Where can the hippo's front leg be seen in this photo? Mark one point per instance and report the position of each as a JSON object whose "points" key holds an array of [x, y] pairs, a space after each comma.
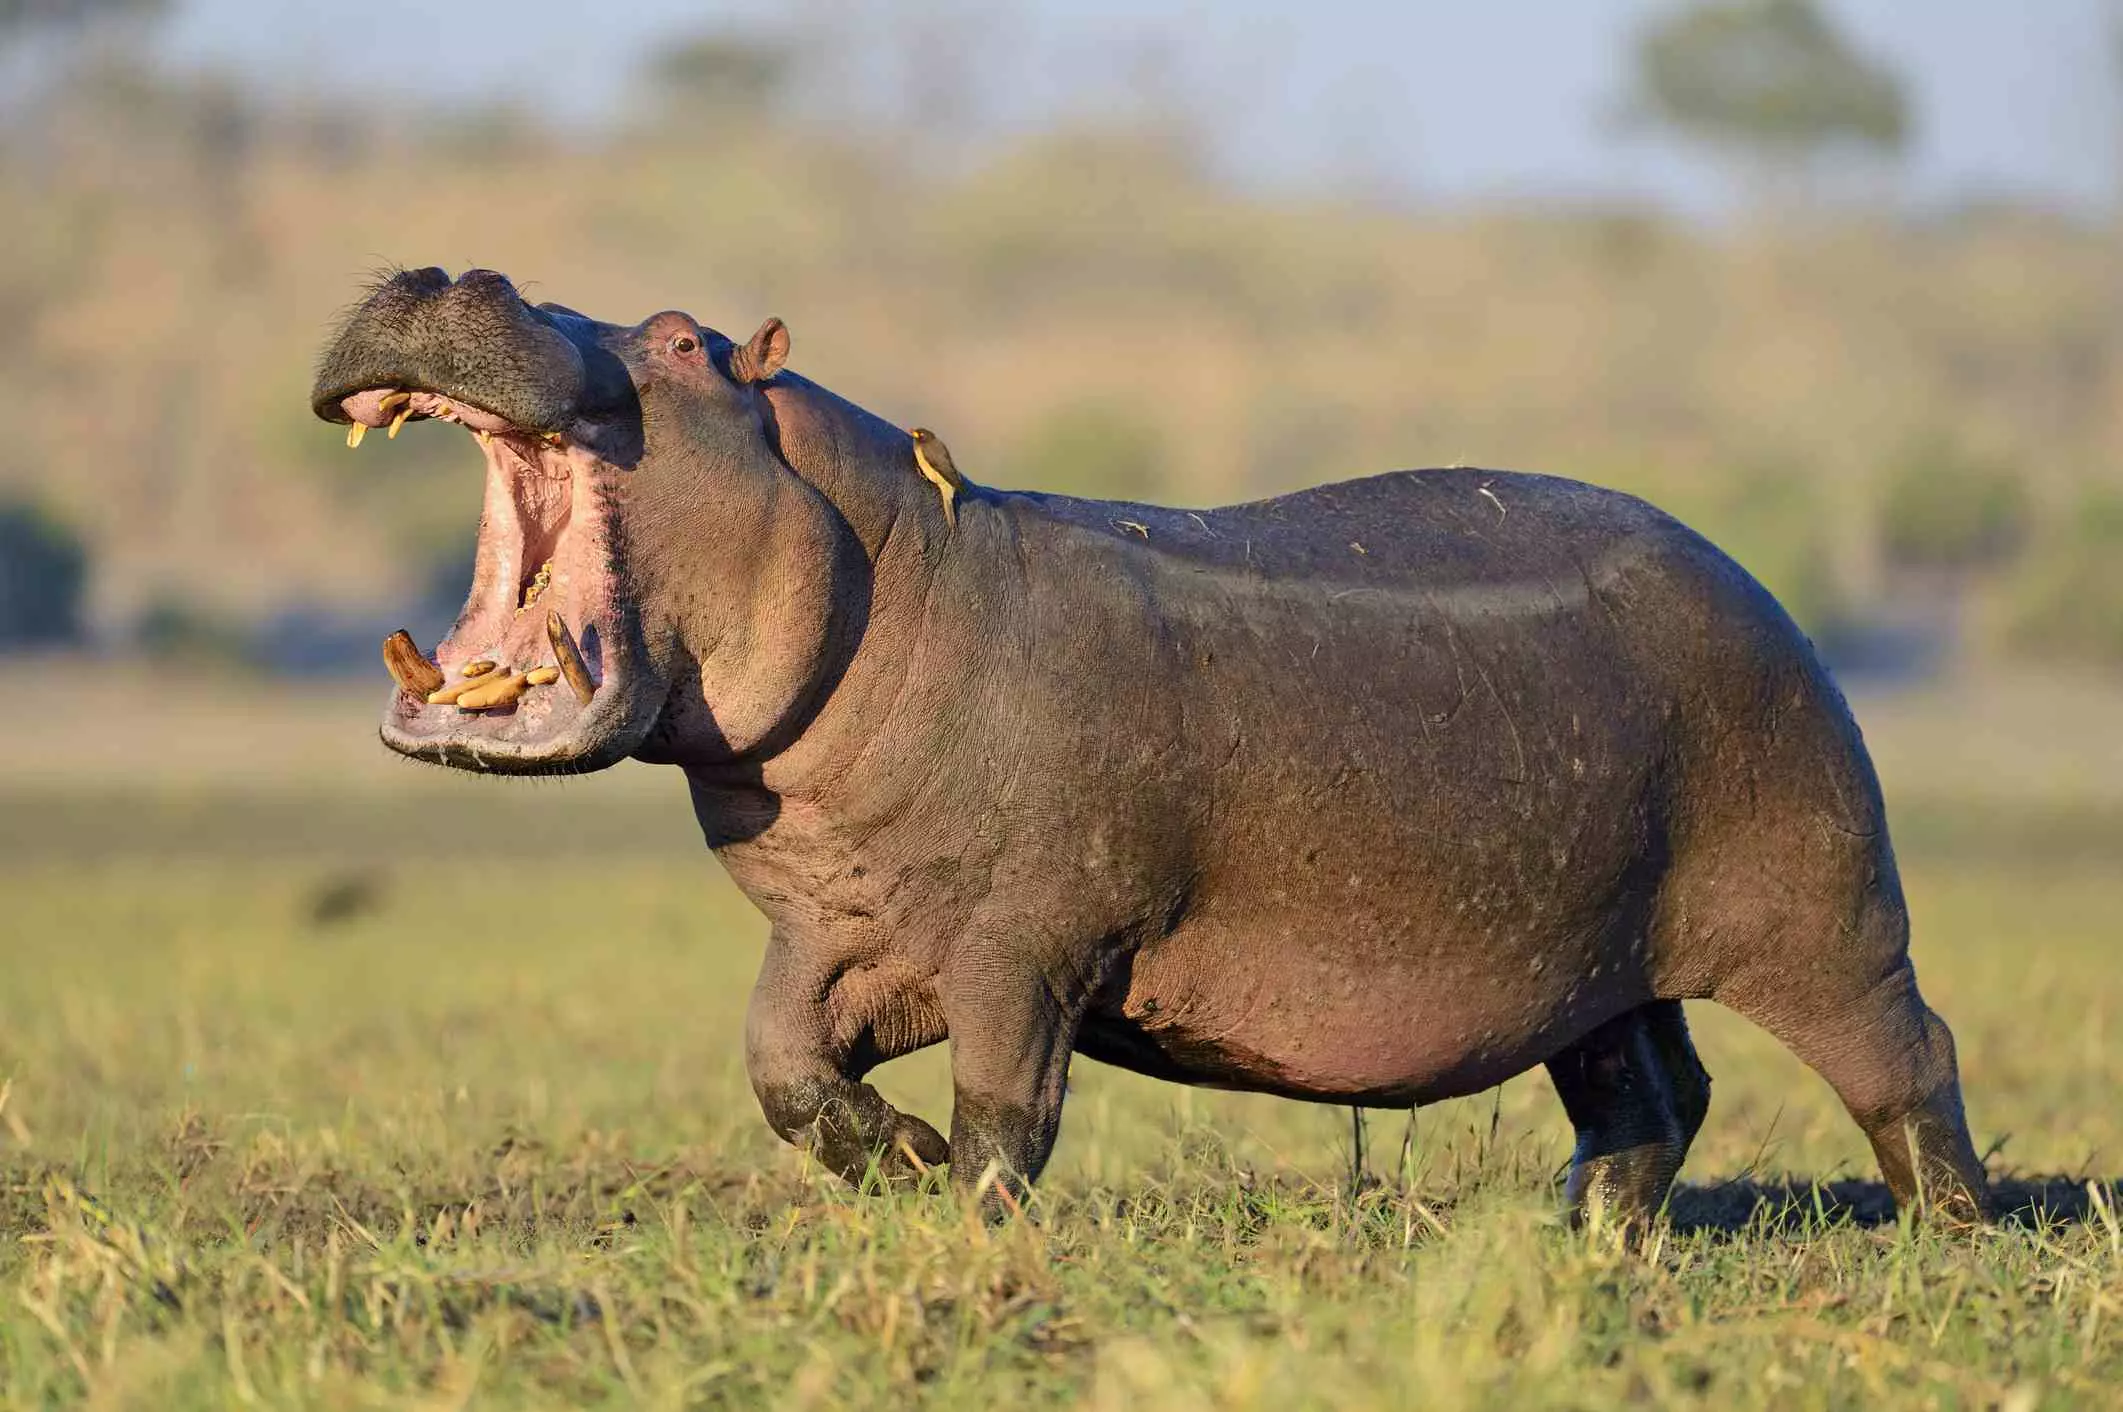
{"points": [[1012, 1033], [807, 1054]]}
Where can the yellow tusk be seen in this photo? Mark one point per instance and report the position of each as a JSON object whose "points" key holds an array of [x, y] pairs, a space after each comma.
{"points": [[354, 434], [397, 422], [571, 664], [390, 400], [542, 676], [408, 665], [486, 438], [477, 669], [487, 695]]}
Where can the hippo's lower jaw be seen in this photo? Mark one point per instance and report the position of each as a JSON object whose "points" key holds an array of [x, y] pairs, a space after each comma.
{"points": [[543, 672]]}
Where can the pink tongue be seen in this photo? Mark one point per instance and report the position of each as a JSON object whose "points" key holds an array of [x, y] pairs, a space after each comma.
{"points": [[367, 408]]}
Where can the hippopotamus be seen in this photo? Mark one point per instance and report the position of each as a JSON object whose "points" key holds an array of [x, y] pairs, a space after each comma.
{"points": [[1375, 794]]}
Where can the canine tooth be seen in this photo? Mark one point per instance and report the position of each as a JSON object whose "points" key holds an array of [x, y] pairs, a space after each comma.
{"points": [[390, 400], [477, 669], [489, 694], [571, 663], [409, 666], [354, 434], [397, 422], [542, 676], [485, 437]]}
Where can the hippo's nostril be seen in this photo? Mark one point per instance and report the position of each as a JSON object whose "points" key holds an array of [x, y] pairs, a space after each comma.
{"points": [[472, 281]]}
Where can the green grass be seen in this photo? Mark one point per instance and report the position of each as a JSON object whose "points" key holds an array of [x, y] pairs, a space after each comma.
{"points": [[386, 1123]]}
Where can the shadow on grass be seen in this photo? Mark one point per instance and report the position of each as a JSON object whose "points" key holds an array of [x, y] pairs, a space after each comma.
{"points": [[1793, 1206]]}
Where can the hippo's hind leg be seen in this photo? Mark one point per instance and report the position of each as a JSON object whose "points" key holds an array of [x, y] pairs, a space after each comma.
{"points": [[1891, 1060], [1636, 1093]]}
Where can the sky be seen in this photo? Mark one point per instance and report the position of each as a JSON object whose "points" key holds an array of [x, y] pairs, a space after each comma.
{"points": [[1438, 100]]}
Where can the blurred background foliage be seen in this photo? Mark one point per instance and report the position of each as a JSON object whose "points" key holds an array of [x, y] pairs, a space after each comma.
{"points": [[1902, 420], [2068, 603], [43, 572]]}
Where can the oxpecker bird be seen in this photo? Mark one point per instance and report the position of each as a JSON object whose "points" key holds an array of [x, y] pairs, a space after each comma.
{"points": [[934, 458]]}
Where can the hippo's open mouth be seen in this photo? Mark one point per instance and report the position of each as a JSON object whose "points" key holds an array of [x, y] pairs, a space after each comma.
{"points": [[544, 670], [529, 654]]}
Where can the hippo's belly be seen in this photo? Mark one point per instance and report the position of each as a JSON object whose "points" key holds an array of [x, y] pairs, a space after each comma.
{"points": [[1336, 1016]]}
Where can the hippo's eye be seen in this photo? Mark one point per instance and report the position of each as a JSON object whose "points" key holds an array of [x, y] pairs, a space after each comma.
{"points": [[684, 343]]}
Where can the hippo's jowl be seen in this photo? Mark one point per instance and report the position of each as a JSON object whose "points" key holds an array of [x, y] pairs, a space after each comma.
{"points": [[1377, 793]]}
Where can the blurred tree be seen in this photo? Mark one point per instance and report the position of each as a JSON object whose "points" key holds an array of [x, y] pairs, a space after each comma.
{"points": [[1766, 82], [43, 572], [2066, 603], [1946, 509], [172, 627], [18, 17], [929, 78], [724, 76]]}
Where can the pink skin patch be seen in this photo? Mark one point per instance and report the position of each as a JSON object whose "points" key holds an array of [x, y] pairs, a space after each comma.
{"points": [[545, 546]]}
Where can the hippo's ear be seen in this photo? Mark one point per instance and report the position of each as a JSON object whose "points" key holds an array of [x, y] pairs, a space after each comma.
{"points": [[763, 356]]}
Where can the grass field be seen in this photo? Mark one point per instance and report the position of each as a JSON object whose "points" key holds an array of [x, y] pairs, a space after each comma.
{"points": [[408, 1090]]}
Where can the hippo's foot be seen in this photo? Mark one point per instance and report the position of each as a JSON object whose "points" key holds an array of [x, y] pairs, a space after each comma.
{"points": [[1636, 1094], [1930, 1163], [855, 1133]]}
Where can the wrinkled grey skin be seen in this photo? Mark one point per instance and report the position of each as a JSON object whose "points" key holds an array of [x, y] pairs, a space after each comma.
{"points": [[1379, 793]]}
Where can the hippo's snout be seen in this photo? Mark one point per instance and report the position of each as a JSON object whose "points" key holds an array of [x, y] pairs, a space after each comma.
{"points": [[473, 340]]}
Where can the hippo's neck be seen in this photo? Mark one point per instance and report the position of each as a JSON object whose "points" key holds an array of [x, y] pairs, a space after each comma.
{"points": [[862, 468], [857, 460]]}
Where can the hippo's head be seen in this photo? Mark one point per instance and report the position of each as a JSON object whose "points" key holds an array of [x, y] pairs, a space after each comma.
{"points": [[638, 516]]}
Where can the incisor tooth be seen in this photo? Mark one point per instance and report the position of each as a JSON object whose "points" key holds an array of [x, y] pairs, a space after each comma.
{"points": [[477, 669], [408, 665], [397, 422], [455, 691], [390, 400], [488, 695], [571, 663], [542, 676], [354, 434]]}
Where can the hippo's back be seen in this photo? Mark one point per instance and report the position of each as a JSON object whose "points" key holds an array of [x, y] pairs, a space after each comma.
{"points": [[1452, 529]]}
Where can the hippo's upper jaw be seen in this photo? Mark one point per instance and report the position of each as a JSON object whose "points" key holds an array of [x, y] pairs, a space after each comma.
{"points": [[548, 397]]}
